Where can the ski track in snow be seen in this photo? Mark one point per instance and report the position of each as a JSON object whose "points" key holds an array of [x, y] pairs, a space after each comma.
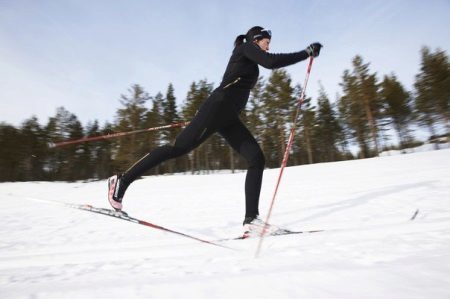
{"points": [[370, 249]]}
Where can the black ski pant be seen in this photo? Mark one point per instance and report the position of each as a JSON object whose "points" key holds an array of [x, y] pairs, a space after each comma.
{"points": [[217, 114]]}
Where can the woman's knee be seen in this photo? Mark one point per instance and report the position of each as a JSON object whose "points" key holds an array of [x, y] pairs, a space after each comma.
{"points": [[180, 148], [257, 160]]}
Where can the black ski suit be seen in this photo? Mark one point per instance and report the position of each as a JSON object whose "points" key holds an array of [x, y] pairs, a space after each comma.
{"points": [[220, 113]]}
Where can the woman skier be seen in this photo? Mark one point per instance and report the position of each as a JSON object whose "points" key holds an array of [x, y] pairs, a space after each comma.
{"points": [[220, 114]]}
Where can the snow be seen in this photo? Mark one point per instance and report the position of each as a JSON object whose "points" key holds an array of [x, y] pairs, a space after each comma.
{"points": [[370, 247]]}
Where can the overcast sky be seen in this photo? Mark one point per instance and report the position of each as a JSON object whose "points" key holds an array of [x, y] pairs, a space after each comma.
{"points": [[84, 54]]}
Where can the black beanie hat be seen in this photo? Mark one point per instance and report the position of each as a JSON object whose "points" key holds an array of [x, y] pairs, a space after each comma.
{"points": [[258, 33]]}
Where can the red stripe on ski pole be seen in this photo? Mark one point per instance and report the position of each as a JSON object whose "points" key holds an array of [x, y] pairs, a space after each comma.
{"points": [[119, 134], [286, 155]]}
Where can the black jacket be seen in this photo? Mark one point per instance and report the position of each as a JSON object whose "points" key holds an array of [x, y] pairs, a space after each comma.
{"points": [[242, 69]]}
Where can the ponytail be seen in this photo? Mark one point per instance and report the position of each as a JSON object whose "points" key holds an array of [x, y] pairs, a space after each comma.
{"points": [[239, 40]]}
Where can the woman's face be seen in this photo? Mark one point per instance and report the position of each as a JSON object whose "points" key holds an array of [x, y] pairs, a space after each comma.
{"points": [[263, 44]]}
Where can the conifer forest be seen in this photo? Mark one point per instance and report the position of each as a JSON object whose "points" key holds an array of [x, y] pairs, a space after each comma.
{"points": [[373, 112]]}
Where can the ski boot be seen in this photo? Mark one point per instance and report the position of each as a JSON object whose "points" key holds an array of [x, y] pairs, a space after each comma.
{"points": [[255, 227], [116, 190]]}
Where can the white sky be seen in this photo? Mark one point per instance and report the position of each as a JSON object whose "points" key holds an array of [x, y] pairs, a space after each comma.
{"points": [[84, 54]]}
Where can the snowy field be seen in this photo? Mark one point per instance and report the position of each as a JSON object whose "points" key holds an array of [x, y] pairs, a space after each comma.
{"points": [[370, 247]]}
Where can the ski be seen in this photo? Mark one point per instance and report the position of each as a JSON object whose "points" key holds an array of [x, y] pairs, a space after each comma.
{"points": [[281, 232], [124, 216]]}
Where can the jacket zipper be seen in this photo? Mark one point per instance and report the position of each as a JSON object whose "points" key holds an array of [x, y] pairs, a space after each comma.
{"points": [[232, 83]]}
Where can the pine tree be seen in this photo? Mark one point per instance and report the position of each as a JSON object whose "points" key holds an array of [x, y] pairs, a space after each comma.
{"points": [[398, 106], [278, 109], [98, 153], [191, 103], [129, 118], [360, 107], [188, 111], [306, 132], [351, 114], [34, 150], [10, 156], [328, 132], [104, 163], [78, 159], [368, 95], [433, 90], [169, 113], [170, 116], [153, 118], [62, 163]]}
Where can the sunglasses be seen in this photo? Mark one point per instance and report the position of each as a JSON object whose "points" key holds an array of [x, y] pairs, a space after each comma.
{"points": [[269, 32]]}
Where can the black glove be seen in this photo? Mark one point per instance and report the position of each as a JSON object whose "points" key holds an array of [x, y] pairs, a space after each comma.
{"points": [[314, 49]]}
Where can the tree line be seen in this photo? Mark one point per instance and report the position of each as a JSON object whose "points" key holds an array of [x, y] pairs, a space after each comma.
{"points": [[362, 116]]}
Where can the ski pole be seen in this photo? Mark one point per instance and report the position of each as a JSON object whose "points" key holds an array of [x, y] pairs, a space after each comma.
{"points": [[119, 134], [286, 154]]}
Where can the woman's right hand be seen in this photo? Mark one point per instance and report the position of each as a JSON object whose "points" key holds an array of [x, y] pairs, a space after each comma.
{"points": [[314, 49]]}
